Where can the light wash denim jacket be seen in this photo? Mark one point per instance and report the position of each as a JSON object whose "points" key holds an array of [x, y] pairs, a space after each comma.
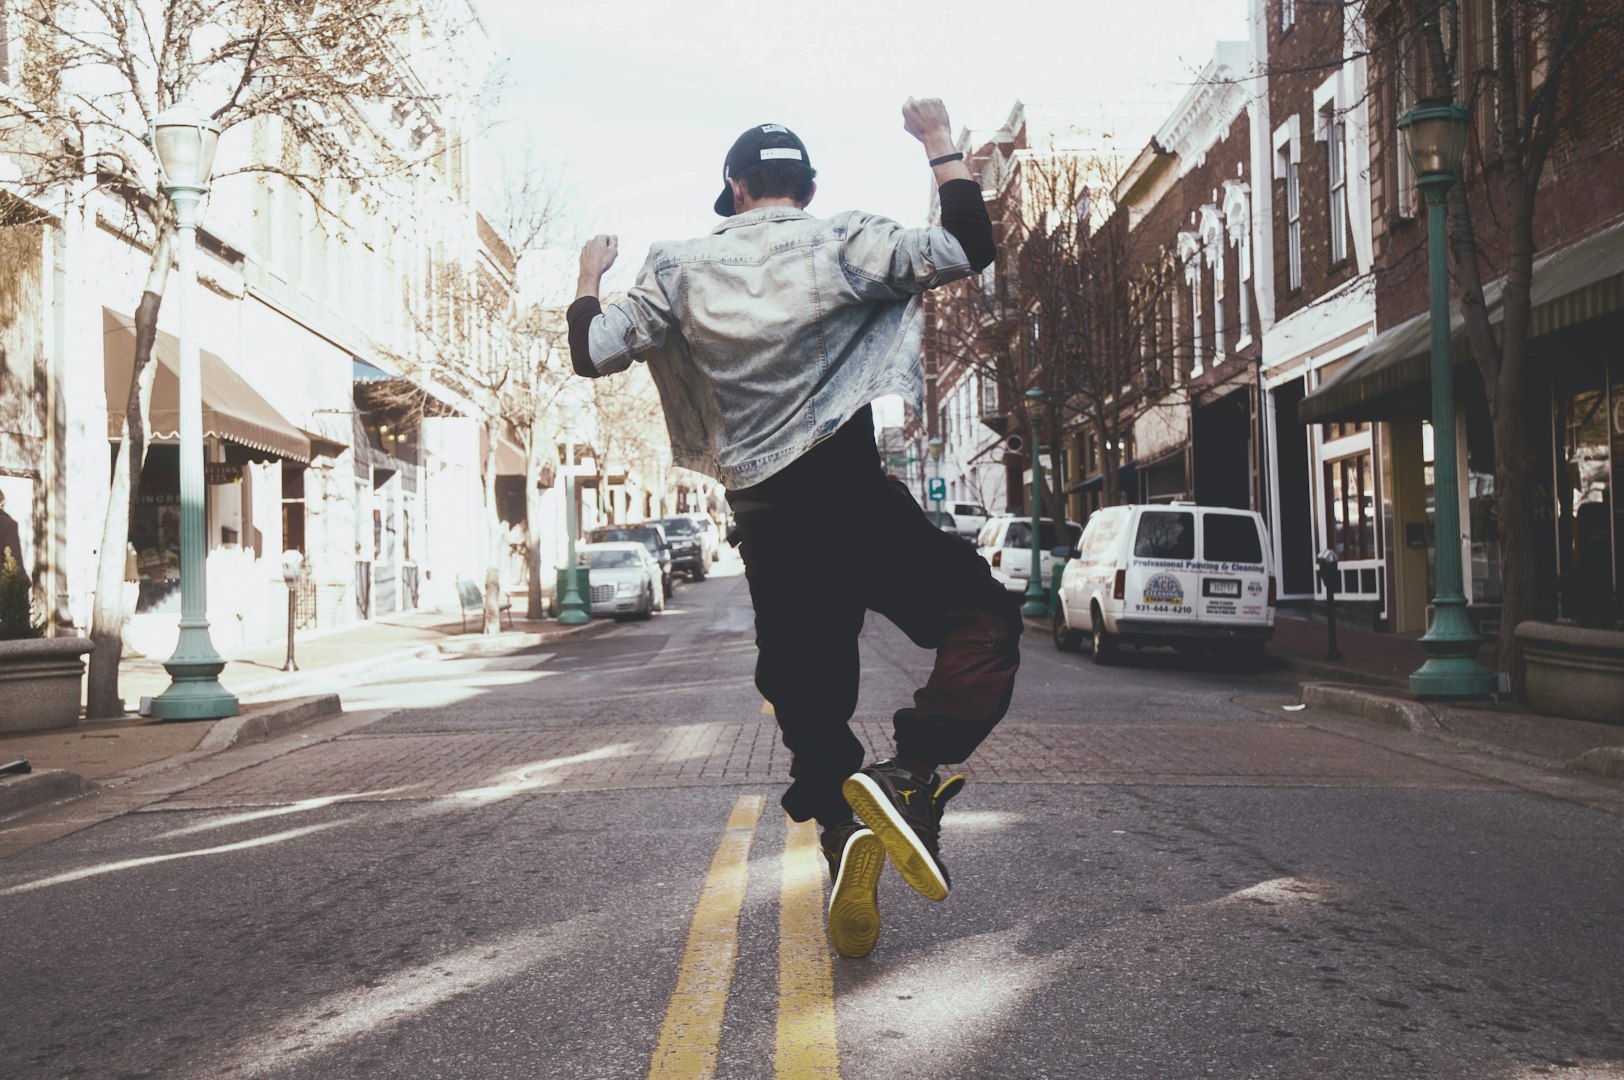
{"points": [[766, 335]]}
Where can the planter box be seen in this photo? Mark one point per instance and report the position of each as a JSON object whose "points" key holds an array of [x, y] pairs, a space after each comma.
{"points": [[40, 682], [1572, 671]]}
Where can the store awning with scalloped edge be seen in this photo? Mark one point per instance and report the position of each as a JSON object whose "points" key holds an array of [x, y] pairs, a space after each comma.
{"points": [[1389, 376], [232, 410]]}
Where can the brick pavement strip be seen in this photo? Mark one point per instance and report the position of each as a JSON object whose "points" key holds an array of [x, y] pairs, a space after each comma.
{"points": [[488, 764]]}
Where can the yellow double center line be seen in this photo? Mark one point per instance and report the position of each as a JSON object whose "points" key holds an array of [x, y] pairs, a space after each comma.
{"points": [[806, 1048]]}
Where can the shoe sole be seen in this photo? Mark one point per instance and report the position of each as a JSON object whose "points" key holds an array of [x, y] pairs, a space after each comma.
{"points": [[854, 909], [913, 861]]}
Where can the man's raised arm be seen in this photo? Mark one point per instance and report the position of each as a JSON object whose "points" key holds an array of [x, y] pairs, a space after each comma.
{"points": [[964, 214], [597, 256]]}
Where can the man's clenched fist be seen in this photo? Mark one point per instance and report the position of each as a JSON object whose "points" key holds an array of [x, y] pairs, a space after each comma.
{"points": [[599, 254], [925, 118]]}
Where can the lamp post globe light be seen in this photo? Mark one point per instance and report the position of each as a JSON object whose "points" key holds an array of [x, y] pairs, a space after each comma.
{"points": [[1434, 140], [1037, 597], [572, 607], [184, 139]]}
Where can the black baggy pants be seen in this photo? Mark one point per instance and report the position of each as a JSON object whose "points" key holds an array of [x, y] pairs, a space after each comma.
{"points": [[815, 567]]}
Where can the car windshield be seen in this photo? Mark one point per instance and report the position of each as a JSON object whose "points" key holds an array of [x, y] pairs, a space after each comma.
{"points": [[609, 560], [1165, 534], [1020, 535], [636, 536], [1230, 538], [679, 526]]}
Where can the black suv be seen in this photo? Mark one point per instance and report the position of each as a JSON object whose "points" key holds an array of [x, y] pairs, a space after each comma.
{"points": [[687, 546], [651, 535]]}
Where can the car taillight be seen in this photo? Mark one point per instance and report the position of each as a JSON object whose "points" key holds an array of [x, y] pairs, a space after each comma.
{"points": [[1119, 587], [998, 558], [1271, 590]]}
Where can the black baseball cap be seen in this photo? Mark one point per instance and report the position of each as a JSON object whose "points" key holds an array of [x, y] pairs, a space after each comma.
{"points": [[764, 142]]}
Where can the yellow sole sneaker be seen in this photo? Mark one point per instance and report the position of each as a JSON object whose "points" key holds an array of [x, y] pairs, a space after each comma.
{"points": [[854, 908], [913, 861]]}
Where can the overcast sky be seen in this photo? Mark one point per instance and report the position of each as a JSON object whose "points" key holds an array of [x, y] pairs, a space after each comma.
{"points": [[636, 102]]}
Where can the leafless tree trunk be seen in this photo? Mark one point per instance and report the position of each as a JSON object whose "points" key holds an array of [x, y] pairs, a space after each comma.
{"points": [[103, 700]]}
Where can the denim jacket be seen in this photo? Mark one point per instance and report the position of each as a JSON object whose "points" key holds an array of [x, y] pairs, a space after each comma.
{"points": [[766, 335]]}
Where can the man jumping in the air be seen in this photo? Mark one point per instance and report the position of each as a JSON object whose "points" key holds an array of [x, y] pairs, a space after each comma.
{"points": [[768, 339]]}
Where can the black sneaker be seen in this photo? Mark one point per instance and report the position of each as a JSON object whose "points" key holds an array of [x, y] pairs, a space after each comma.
{"points": [[856, 858], [905, 812]]}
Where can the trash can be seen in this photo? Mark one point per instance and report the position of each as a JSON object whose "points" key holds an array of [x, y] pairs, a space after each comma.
{"points": [[582, 589]]}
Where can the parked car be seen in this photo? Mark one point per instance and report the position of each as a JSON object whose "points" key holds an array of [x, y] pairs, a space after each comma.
{"points": [[1173, 574], [969, 518], [688, 554], [709, 534], [943, 521], [1006, 543], [651, 534], [622, 578]]}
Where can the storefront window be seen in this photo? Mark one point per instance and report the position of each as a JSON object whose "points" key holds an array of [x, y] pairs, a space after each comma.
{"points": [[1350, 507], [155, 528], [1590, 431], [1482, 524]]}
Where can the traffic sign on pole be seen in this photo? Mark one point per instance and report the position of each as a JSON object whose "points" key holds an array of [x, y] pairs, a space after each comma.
{"points": [[938, 488]]}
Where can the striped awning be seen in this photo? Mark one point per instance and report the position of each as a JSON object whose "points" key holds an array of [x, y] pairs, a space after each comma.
{"points": [[232, 410], [1581, 281]]}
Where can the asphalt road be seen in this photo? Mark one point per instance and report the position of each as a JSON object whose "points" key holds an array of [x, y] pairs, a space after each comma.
{"points": [[571, 863]]}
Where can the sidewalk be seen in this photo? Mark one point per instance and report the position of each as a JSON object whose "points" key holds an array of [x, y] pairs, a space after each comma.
{"points": [[68, 761], [1371, 681]]}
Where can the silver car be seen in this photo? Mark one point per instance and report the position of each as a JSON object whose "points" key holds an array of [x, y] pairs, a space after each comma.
{"points": [[623, 579]]}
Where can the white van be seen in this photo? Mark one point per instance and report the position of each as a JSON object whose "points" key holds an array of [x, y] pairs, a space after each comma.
{"points": [[1168, 574]]}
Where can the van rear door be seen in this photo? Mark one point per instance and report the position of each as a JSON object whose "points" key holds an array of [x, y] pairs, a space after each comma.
{"points": [[1234, 574], [1161, 582]]}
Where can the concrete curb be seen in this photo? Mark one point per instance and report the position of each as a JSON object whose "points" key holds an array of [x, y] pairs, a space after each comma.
{"points": [[1370, 705], [24, 794], [295, 678], [515, 641], [262, 724], [1605, 761]]}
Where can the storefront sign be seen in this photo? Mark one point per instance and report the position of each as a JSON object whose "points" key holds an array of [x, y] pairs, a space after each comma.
{"points": [[216, 473]]}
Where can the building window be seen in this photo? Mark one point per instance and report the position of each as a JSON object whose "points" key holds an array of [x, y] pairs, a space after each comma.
{"points": [[1196, 352], [989, 394], [1337, 168], [1294, 230], [1350, 508], [1288, 14]]}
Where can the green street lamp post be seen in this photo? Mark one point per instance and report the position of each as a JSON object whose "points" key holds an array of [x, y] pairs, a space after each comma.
{"points": [[184, 139], [1037, 597], [937, 490], [572, 608], [1434, 138]]}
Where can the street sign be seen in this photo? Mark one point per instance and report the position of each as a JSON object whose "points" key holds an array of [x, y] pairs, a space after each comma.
{"points": [[938, 488]]}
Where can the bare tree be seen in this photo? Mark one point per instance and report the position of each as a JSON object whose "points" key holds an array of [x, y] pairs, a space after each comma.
{"points": [[1533, 90], [1075, 312], [93, 76], [631, 427]]}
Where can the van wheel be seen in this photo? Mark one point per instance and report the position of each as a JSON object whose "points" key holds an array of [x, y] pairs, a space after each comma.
{"points": [[1105, 642], [698, 573], [1065, 638]]}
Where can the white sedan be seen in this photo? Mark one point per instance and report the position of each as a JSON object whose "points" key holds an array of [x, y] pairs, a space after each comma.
{"points": [[623, 579]]}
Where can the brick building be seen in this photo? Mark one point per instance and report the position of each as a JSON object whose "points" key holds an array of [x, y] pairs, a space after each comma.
{"points": [[1572, 392]]}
